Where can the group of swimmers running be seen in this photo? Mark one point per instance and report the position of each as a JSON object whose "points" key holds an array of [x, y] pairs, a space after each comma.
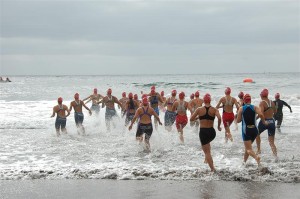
{"points": [[202, 116]]}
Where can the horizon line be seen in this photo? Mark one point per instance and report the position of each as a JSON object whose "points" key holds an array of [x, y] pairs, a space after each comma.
{"points": [[160, 74]]}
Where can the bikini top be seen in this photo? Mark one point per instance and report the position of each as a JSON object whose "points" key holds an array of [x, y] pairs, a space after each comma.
{"points": [[111, 99], [228, 103], [269, 105], [77, 103], [181, 107], [206, 116], [145, 112], [171, 102], [60, 108]]}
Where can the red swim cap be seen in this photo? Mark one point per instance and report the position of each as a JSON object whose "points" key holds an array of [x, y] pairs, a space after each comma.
{"points": [[152, 87], [130, 95], [227, 91], [197, 94], [241, 95], [174, 92], [59, 100], [109, 91], [277, 96], [192, 96], [247, 99], [207, 98], [124, 94], [76, 96], [135, 96], [264, 93], [145, 101], [162, 93], [144, 95], [95, 90], [181, 95]]}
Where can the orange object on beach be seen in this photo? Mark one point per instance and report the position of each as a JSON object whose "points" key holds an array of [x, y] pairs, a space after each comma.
{"points": [[248, 80]]}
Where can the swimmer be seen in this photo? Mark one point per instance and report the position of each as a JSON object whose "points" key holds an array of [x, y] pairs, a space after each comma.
{"points": [[61, 118]]}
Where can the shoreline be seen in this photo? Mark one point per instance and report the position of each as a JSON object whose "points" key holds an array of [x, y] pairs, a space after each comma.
{"points": [[145, 189]]}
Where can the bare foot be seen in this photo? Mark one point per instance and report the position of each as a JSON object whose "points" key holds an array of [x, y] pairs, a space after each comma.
{"points": [[226, 139], [258, 160], [229, 136], [258, 152]]}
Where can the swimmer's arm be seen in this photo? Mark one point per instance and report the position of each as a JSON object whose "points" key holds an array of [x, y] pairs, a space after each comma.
{"points": [[89, 97], [260, 115], [174, 106], [87, 108], [103, 102], [190, 107], [274, 107], [118, 102], [126, 108], [160, 99], [239, 115], [286, 104], [219, 119], [87, 101], [236, 104], [53, 114], [70, 109], [66, 109], [194, 115], [165, 103], [156, 116], [261, 109], [219, 103]]}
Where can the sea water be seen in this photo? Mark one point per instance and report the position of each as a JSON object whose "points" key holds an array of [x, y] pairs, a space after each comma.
{"points": [[30, 149]]}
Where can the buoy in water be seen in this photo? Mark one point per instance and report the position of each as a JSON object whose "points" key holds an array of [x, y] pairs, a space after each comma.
{"points": [[248, 80]]}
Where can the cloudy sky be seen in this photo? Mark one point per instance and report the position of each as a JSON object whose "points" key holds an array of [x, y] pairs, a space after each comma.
{"points": [[43, 37]]}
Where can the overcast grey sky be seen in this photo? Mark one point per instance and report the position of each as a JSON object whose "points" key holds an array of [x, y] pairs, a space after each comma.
{"points": [[44, 37]]}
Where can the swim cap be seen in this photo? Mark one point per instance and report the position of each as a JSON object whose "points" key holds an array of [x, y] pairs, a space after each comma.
{"points": [[264, 93], [174, 92], [197, 94], [181, 95], [152, 87], [130, 96], [277, 96], [207, 98], [95, 90], [144, 95], [153, 92], [192, 96], [145, 101], [124, 94], [241, 95], [247, 99], [162, 93], [59, 100], [76, 96], [109, 91], [227, 91]]}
